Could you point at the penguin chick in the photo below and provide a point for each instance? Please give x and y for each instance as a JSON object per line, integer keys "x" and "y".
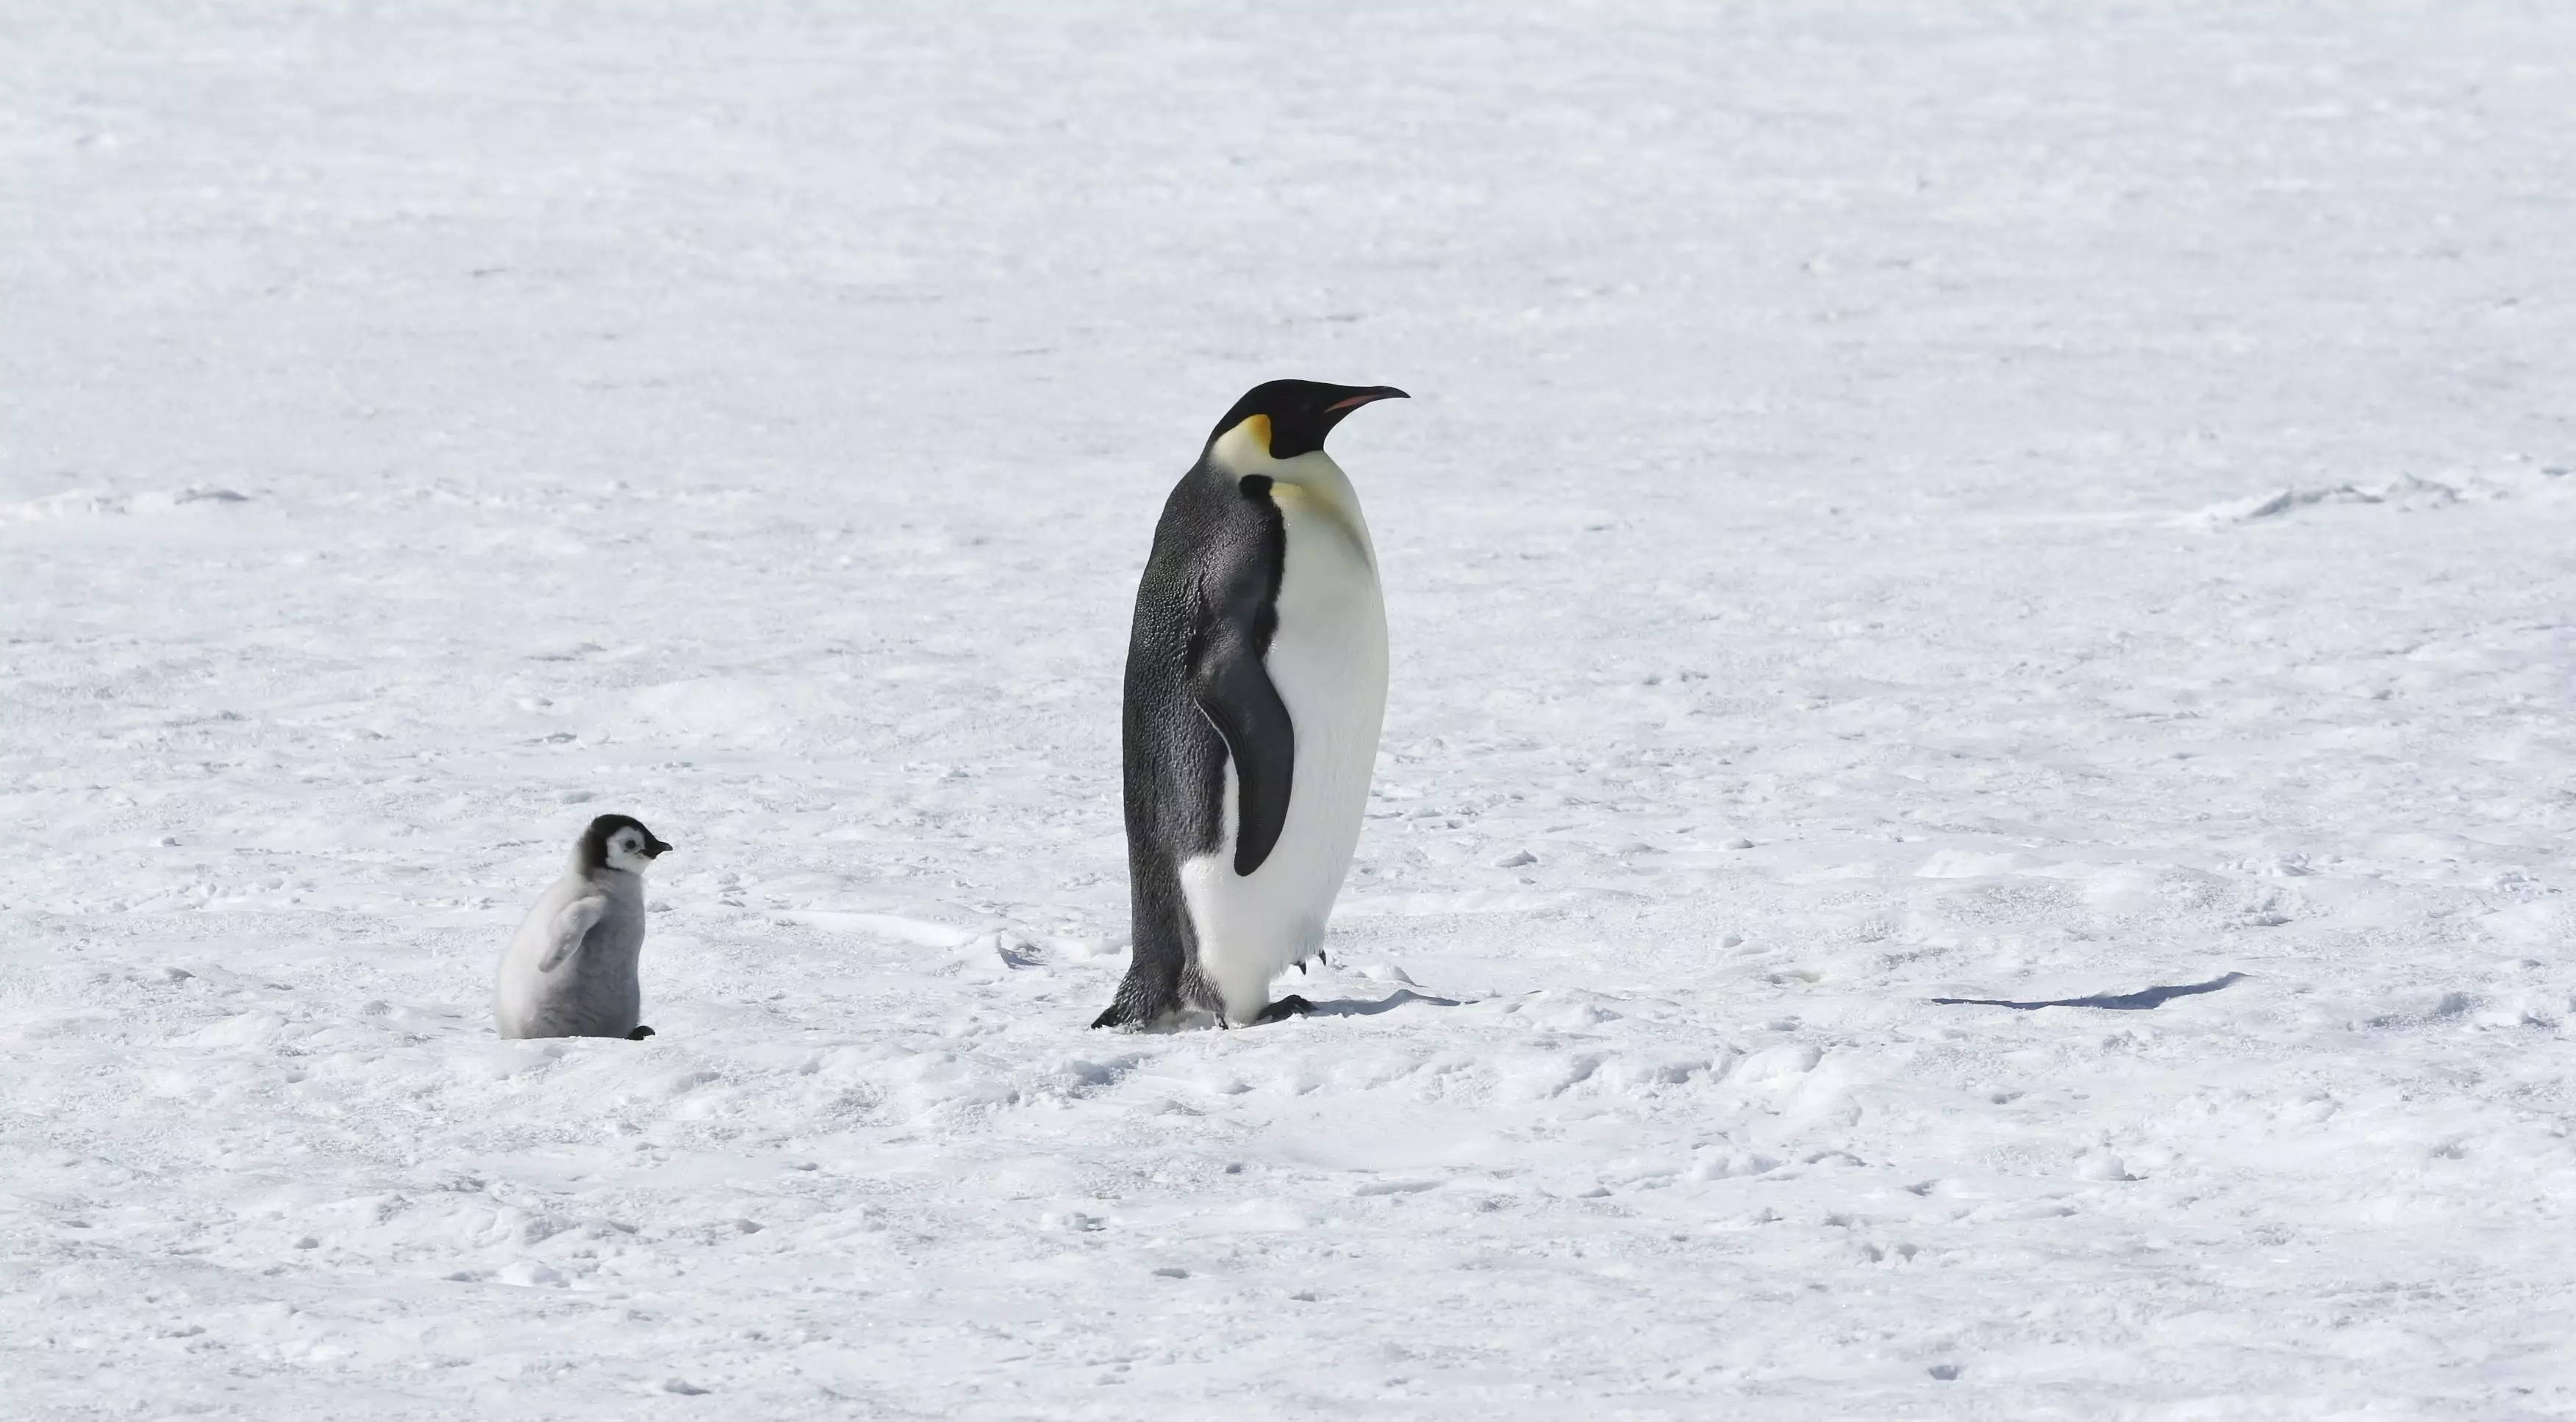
{"x": 570, "y": 971}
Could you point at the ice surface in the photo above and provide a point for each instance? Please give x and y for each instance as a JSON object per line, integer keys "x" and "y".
{"x": 1900, "y": 501}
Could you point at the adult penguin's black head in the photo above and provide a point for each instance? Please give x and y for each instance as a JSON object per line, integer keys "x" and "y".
{"x": 1293, "y": 416}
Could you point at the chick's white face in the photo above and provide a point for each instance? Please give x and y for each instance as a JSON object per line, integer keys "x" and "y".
{"x": 627, "y": 851}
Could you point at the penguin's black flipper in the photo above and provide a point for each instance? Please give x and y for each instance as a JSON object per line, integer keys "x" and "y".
{"x": 1233, "y": 688}
{"x": 639, "y": 1034}
{"x": 1290, "y": 1006}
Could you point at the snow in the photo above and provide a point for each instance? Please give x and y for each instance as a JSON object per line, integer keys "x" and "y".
{"x": 2016, "y": 502}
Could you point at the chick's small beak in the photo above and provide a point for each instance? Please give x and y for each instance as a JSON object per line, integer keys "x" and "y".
{"x": 656, "y": 850}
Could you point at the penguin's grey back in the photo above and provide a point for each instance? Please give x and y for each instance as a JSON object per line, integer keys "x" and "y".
{"x": 1216, "y": 543}
{"x": 1216, "y": 560}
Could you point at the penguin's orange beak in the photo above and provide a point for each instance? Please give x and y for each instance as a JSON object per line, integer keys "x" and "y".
{"x": 1372, "y": 395}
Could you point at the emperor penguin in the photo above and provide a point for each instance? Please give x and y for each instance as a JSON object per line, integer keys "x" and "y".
{"x": 570, "y": 972}
{"x": 1256, "y": 683}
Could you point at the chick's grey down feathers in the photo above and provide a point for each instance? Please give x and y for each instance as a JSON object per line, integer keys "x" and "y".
{"x": 571, "y": 970}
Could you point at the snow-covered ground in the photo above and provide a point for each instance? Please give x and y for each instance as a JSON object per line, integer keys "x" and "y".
{"x": 1901, "y": 502}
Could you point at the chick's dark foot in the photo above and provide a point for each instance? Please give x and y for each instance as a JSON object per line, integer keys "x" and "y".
{"x": 639, "y": 1034}
{"x": 1290, "y": 1006}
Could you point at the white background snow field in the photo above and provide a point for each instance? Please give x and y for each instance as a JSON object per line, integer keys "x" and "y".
{"x": 1900, "y": 501}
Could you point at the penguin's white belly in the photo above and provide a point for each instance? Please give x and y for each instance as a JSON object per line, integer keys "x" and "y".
{"x": 1328, "y": 661}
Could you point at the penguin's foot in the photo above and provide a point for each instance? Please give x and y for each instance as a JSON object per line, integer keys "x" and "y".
{"x": 1121, "y": 1017}
{"x": 639, "y": 1034}
{"x": 1290, "y": 1006}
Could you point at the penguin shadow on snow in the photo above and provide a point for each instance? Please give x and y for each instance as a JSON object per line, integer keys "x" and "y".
{"x": 2143, "y": 1000}
{"x": 1362, "y": 1007}
{"x": 1292, "y": 1007}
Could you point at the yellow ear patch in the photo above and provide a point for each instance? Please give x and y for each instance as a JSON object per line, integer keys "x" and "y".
{"x": 1257, "y": 429}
